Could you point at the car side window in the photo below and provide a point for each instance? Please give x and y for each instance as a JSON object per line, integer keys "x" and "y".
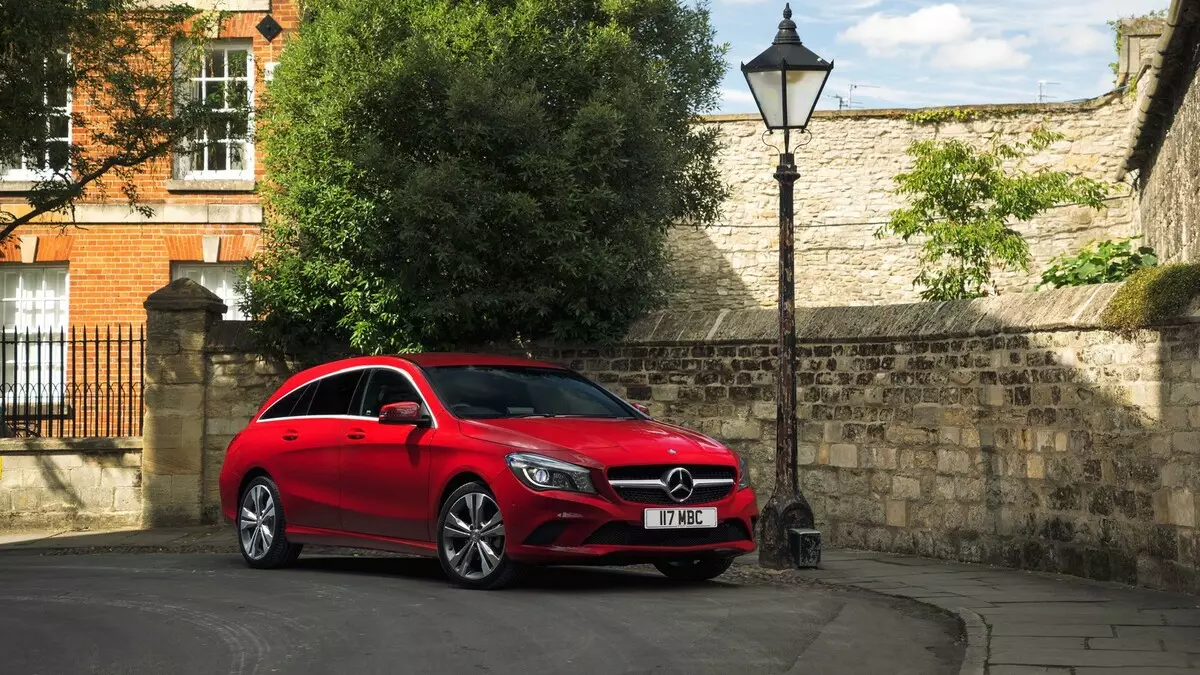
{"x": 334, "y": 394}
{"x": 291, "y": 405}
{"x": 386, "y": 386}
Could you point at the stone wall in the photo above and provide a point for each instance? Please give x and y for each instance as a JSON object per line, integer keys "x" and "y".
{"x": 1166, "y": 143}
{"x": 1011, "y": 431}
{"x": 70, "y": 483}
{"x": 845, "y": 192}
{"x": 239, "y": 380}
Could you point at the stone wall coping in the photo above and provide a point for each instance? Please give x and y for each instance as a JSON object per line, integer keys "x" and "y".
{"x": 997, "y": 109}
{"x": 184, "y": 295}
{"x": 1060, "y": 309}
{"x": 66, "y": 446}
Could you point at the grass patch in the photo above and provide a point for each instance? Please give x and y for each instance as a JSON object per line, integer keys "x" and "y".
{"x": 1151, "y": 296}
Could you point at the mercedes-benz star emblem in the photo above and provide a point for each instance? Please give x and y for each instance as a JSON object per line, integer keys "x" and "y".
{"x": 679, "y": 484}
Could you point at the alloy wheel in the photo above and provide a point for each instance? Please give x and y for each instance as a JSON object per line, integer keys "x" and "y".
{"x": 473, "y": 536}
{"x": 256, "y": 526}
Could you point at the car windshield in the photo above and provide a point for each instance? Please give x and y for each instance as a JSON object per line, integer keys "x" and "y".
{"x": 495, "y": 392}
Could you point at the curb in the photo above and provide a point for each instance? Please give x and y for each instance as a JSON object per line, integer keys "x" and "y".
{"x": 975, "y": 658}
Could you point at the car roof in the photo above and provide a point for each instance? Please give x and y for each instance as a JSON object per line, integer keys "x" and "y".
{"x": 438, "y": 359}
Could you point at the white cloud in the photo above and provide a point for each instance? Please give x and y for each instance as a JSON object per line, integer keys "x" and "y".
{"x": 1079, "y": 40}
{"x": 737, "y": 96}
{"x": 981, "y": 54}
{"x": 1041, "y": 15}
{"x": 882, "y": 34}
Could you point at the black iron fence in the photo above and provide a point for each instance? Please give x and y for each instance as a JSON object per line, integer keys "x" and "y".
{"x": 85, "y": 381}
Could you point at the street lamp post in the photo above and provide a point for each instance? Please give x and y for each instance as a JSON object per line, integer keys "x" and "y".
{"x": 787, "y": 80}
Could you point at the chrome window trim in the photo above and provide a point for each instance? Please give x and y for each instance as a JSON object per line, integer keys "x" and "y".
{"x": 407, "y": 375}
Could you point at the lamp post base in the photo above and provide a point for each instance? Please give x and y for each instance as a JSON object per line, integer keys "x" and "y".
{"x": 784, "y": 512}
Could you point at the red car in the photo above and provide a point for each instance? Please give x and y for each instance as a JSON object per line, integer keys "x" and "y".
{"x": 489, "y": 463}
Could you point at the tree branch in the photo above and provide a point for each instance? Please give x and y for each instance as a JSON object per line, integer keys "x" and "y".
{"x": 75, "y": 190}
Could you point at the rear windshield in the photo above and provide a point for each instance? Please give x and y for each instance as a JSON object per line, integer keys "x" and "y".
{"x": 496, "y": 392}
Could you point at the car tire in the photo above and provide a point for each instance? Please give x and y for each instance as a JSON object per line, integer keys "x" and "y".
{"x": 699, "y": 569}
{"x": 467, "y": 547}
{"x": 261, "y": 527}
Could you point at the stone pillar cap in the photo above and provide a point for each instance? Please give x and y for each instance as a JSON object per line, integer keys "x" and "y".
{"x": 184, "y": 295}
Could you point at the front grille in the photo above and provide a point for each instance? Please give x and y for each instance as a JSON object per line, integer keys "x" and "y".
{"x": 625, "y": 534}
{"x": 656, "y": 471}
{"x": 642, "y": 494}
{"x": 701, "y": 495}
{"x": 546, "y": 533}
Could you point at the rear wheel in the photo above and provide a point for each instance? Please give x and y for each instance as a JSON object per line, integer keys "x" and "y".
{"x": 471, "y": 540}
{"x": 261, "y": 526}
{"x": 700, "y": 569}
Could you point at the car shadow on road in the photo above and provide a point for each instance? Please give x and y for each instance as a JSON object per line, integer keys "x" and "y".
{"x": 574, "y": 579}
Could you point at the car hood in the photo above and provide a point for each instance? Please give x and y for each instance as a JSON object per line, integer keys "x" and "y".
{"x": 602, "y": 443}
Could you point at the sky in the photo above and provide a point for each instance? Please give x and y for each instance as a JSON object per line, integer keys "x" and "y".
{"x": 918, "y": 53}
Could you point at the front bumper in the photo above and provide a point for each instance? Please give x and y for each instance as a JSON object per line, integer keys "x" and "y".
{"x": 564, "y": 527}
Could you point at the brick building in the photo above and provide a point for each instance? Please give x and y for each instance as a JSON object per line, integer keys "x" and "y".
{"x": 98, "y": 269}
{"x": 206, "y": 211}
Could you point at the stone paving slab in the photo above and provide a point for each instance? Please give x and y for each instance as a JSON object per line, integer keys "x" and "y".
{"x": 1039, "y": 624}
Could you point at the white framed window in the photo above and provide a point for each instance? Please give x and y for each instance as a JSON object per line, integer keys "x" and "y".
{"x": 34, "y": 303}
{"x": 220, "y": 278}
{"x": 224, "y": 79}
{"x": 51, "y": 154}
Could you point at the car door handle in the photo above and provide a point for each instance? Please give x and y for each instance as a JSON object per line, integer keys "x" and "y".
{"x": 356, "y": 434}
{"x": 291, "y": 435}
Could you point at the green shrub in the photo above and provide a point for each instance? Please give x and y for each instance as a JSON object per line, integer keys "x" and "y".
{"x": 1099, "y": 263}
{"x": 1152, "y": 295}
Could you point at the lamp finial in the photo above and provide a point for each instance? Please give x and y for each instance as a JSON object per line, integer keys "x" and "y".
{"x": 787, "y": 28}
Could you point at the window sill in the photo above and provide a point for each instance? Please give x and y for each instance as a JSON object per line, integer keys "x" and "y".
{"x": 16, "y": 186}
{"x": 204, "y": 185}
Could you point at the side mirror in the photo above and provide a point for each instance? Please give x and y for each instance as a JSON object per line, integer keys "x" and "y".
{"x": 642, "y": 409}
{"x": 407, "y": 412}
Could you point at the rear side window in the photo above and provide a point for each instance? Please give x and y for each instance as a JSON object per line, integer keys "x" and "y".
{"x": 334, "y": 394}
{"x": 292, "y": 405}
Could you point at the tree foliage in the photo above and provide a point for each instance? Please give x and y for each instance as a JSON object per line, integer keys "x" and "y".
{"x": 962, "y": 201}
{"x": 444, "y": 172}
{"x": 1101, "y": 262}
{"x": 115, "y": 59}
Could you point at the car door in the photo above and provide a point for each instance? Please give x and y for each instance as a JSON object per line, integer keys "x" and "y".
{"x": 385, "y": 467}
{"x": 309, "y": 439}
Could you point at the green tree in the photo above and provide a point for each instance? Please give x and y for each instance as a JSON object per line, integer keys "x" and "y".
{"x": 121, "y": 61}
{"x": 444, "y": 172}
{"x": 961, "y": 201}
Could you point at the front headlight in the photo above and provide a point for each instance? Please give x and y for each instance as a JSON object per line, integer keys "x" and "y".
{"x": 543, "y": 473}
{"x": 743, "y": 472}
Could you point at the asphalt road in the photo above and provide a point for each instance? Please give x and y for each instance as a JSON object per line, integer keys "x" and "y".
{"x": 199, "y": 614}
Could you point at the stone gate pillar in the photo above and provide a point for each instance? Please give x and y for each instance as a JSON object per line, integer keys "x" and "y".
{"x": 178, "y": 317}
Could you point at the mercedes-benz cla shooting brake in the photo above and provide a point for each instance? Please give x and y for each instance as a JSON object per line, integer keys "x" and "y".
{"x": 490, "y": 463}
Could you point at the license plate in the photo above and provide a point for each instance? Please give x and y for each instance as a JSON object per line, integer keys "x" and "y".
{"x": 680, "y": 518}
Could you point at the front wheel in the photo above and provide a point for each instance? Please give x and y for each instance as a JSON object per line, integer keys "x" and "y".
{"x": 700, "y": 569}
{"x": 471, "y": 540}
